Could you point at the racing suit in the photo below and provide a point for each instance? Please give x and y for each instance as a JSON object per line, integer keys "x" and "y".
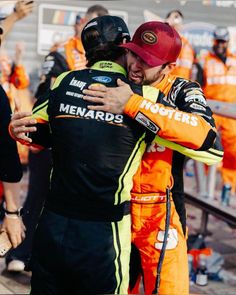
{"x": 185, "y": 60}
{"x": 93, "y": 182}
{"x": 162, "y": 167}
{"x": 220, "y": 84}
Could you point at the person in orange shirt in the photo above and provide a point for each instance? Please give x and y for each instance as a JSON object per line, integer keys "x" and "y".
{"x": 186, "y": 57}
{"x": 10, "y": 174}
{"x": 219, "y": 83}
{"x": 13, "y": 73}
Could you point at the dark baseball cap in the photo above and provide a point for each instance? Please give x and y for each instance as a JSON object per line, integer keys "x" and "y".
{"x": 221, "y": 33}
{"x": 156, "y": 43}
{"x": 108, "y": 29}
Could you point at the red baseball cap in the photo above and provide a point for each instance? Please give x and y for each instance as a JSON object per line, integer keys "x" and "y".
{"x": 156, "y": 43}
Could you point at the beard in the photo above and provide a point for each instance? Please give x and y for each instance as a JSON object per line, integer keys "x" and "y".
{"x": 157, "y": 77}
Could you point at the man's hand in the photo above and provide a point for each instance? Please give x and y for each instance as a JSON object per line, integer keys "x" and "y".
{"x": 15, "y": 229}
{"x": 109, "y": 99}
{"x": 21, "y": 124}
{"x": 23, "y": 8}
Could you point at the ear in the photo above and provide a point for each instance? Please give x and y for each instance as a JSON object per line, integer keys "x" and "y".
{"x": 169, "y": 68}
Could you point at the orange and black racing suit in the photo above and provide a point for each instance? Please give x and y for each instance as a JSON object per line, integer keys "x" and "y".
{"x": 93, "y": 169}
{"x": 162, "y": 168}
{"x": 219, "y": 83}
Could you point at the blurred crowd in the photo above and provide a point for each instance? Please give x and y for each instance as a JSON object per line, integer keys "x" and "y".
{"x": 215, "y": 71}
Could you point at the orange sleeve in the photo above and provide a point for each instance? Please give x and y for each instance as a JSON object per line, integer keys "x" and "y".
{"x": 184, "y": 128}
{"x": 19, "y": 78}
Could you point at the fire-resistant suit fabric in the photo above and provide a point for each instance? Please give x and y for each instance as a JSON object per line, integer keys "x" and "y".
{"x": 148, "y": 206}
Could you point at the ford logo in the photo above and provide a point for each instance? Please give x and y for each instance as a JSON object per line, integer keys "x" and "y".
{"x": 102, "y": 79}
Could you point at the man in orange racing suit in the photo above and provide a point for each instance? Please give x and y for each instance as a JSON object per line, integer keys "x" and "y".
{"x": 149, "y": 61}
{"x": 219, "y": 83}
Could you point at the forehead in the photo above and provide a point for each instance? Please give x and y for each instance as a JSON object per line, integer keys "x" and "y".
{"x": 175, "y": 14}
{"x": 132, "y": 57}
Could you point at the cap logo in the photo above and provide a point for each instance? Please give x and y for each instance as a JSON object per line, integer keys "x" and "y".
{"x": 149, "y": 37}
{"x": 95, "y": 23}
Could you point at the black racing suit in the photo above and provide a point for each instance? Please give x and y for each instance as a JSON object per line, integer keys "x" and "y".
{"x": 82, "y": 242}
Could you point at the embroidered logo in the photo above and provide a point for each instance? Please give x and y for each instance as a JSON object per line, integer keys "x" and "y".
{"x": 149, "y": 37}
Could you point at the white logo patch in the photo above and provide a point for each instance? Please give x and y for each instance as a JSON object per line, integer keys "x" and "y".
{"x": 77, "y": 83}
{"x": 172, "y": 239}
{"x": 142, "y": 119}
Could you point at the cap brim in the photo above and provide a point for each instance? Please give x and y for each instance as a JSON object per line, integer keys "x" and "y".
{"x": 146, "y": 57}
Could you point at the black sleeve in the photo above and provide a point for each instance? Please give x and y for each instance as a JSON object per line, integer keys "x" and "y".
{"x": 42, "y": 137}
{"x": 53, "y": 65}
{"x": 191, "y": 99}
{"x": 10, "y": 166}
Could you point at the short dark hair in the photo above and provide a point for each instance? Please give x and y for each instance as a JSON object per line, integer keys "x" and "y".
{"x": 175, "y": 10}
{"x": 98, "y": 9}
{"x": 102, "y": 36}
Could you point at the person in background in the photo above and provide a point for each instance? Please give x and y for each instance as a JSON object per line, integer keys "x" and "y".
{"x": 218, "y": 71}
{"x": 186, "y": 57}
{"x": 13, "y": 73}
{"x": 21, "y": 10}
{"x": 14, "y": 79}
{"x": 10, "y": 166}
{"x": 69, "y": 55}
{"x": 56, "y": 62}
{"x": 10, "y": 174}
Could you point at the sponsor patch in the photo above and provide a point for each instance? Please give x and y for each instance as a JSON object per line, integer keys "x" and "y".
{"x": 78, "y": 83}
{"x": 196, "y": 106}
{"x": 172, "y": 240}
{"x": 102, "y": 79}
{"x": 149, "y": 37}
{"x": 146, "y": 122}
{"x": 80, "y": 112}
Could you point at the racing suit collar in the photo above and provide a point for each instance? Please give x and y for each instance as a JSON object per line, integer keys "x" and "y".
{"x": 109, "y": 66}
